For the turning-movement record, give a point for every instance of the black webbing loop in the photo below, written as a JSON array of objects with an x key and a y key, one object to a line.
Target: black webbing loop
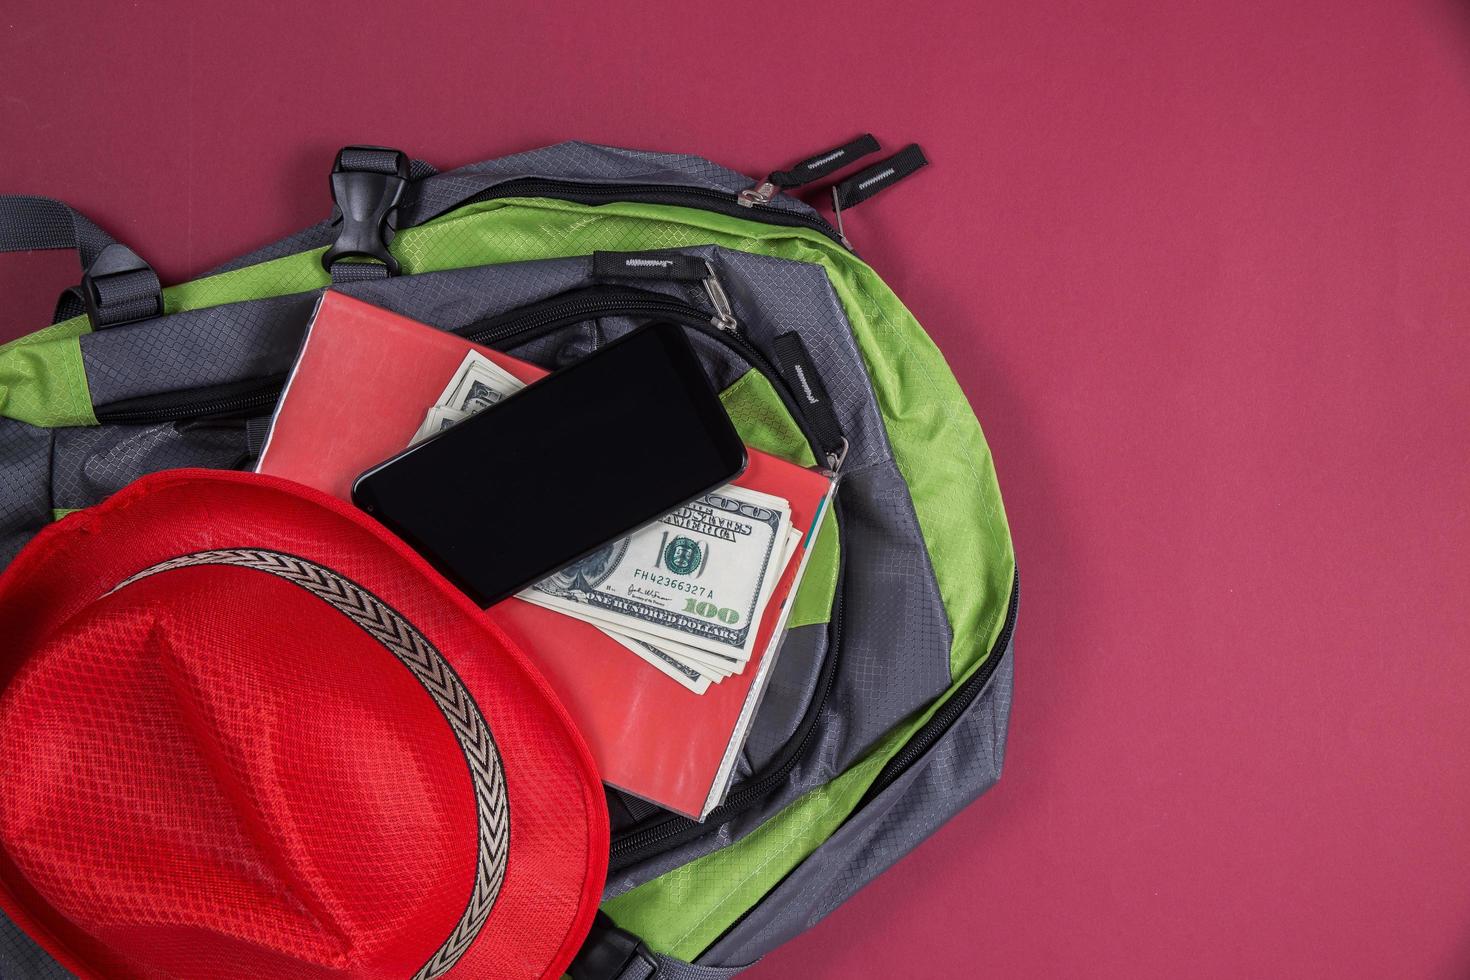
[
  {"x": 824, "y": 164},
  {"x": 117, "y": 286},
  {"x": 883, "y": 174},
  {"x": 610, "y": 953}
]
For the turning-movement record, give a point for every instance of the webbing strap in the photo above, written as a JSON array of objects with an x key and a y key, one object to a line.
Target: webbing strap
[
  {"x": 117, "y": 286},
  {"x": 610, "y": 953},
  {"x": 881, "y": 175},
  {"x": 345, "y": 272},
  {"x": 30, "y": 223},
  {"x": 371, "y": 159}
]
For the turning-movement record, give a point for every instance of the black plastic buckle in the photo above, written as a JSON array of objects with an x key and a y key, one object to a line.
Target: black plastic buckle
[
  {"x": 610, "y": 953},
  {"x": 119, "y": 287},
  {"x": 368, "y": 201}
]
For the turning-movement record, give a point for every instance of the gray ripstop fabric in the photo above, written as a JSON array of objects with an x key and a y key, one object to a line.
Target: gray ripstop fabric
[
  {"x": 195, "y": 349},
  {"x": 25, "y": 485},
  {"x": 22, "y": 959},
  {"x": 957, "y": 769}
]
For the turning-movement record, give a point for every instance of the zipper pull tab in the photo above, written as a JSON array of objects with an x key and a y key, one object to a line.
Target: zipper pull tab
[
  {"x": 837, "y": 457},
  {"x": 880, "y": 176},
  {"x": 799, "y": 371},
  {"x": 812, "y": 169},
  {"x": 724, "y": 317}
]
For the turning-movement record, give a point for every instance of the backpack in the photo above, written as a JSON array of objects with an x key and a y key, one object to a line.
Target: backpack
[{"x": 886, "y": 712}]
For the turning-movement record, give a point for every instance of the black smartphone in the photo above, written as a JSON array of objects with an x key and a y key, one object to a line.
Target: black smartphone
[{"x": 580, "y": 458}]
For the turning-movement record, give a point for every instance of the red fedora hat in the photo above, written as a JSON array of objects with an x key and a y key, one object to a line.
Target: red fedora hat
[{"x": 246, "y": 733}]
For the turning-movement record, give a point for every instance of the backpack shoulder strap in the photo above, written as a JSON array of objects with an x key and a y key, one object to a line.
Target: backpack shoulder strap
[{"x": 117, "y": 286}]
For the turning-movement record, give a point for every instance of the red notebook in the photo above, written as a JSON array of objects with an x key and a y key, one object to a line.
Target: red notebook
[{"x": 356, "y": 396}]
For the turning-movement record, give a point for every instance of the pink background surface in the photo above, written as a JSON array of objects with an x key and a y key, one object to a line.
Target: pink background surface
[{"x": 1202, "y": 270}]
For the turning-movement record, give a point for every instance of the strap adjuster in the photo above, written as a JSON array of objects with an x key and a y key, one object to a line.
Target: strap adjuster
[
  {"x": 367, "y": 185},
  {"x": 119, "y": 287},
  {"x": 610, "y": 953}
]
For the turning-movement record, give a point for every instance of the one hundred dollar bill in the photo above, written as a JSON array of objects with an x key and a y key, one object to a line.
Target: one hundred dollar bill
[
  {"x": 699, "y": 576},
  {"x": 716, "y": 666}
]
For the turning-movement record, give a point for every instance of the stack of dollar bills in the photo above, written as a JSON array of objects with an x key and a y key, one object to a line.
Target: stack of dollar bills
[{"x": 687, "y": 593}]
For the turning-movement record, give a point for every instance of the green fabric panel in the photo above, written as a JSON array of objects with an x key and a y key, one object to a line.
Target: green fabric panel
[
  {"x": 59, "y": 512},
  {"x": 813, "y": 602},
  {"x": 74, "y": 327},
  {"x": 943, "y": 457},
  {"x": 43, "y": 382},
  {"x": 762, "y": 420}
]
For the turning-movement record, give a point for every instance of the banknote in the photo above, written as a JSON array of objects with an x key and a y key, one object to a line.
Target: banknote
[
  {"x": 699, "y": 576},
  {"x": 478, "y": 384},
  {"x": 714, "y": 665},
  {"x": 438, "y": 419},
  {"x": 683, "y": 673}
]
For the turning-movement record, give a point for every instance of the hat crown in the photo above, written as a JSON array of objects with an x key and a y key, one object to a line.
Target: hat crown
[{"x": 219, "y": 749}]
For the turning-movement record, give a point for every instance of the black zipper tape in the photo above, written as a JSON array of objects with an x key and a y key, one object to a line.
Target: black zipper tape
[
  {"x": 789, "y": 353},
  {"x": 236, "y": 399},
  {"x": 880, "y": 176},
  {"x": 819, "y": 166},
  {"x": 953, "y": 709},
  {"x": 665, "y": 266}
]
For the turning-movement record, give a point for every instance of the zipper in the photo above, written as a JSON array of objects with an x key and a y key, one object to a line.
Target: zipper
[
  {"x": 529, "y": 322},
  {"x": 958, "y": 703},
  {"x": 707, "y": 199},
  {"x": 218, "y": 401},
  {"x": 525, "y": 323}
]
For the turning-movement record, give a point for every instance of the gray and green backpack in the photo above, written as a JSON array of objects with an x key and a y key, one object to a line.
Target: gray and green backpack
[{"x": 886, "y": 712}]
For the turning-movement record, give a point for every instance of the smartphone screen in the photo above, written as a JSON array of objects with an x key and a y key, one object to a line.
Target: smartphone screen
[{"x": 582, "y": 457}]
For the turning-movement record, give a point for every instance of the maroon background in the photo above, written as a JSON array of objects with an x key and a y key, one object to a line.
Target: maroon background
[{"x": 1202, "y": 270}]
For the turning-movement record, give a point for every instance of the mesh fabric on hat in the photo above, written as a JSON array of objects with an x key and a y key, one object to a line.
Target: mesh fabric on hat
[{"x": 211, "y": 773}]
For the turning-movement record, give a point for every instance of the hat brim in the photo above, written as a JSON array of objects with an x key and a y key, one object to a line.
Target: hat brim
[{"x": 558, "y": 863}]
